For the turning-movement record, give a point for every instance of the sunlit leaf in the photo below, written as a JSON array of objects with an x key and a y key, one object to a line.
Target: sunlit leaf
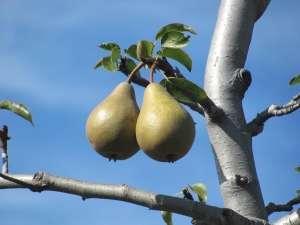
[
  {"x": 297, "y": 169},
  {"x": 173, "y": 27},
  {"x": 17, "y": 108},
  {"x": 131, "y": 51},
  {"x": 115, "y": 54},
  {"x": 177, "y": 54},
  {"x": 98, "y": 64},
  {"x": 185, "y": 90},
  {"x": 294, "y": 80},
  {"x": 174, "y": 39},
  {"x": 144, "y": 49},
  {"x": 167, "y": 217},
  {"x": 131, "y": 65},
  {"x": 298, "y": 192},
  {"x": 200, "y": 190},
  {"x": 108, "y": 46},
  {"x": 108, "y": 64}
]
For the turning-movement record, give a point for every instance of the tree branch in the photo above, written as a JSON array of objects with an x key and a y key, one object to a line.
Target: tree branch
[
  {"x": 43, "y": 181},
  {"x": 290, "y": 219},
  {"x": 271, "y": 207},
  {"x": 3, "y": 145},
  {"x": 256, "y": 126}
]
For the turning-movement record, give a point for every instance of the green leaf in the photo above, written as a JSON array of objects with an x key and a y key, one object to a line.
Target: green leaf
[
  {"x": 200, "y": 190},
  {"x": 131, "y": 65},
  {"x": 115, "y": 54},
  {"x": 144, "y": 49},
  {"x": 174, "y": 39},
  {"x": 17, "y": 108},
  {"x": 108, "y": 64},
  {"x": 177, "y": 54},
  {"x": 108, "y": 46},
  {"x": 173, "y": 27},
  {"x": 185, "y": 90},
  {"x": 294, "y": 80},
  {"x": 163, "y": 83},
  {"x": 167, "y": 217},
  {"x": 298, "y": 192},
  {"x": 297, "y": 169},
  {"x": 131, "y": 51},
  {"x": 98, "y": 64}
]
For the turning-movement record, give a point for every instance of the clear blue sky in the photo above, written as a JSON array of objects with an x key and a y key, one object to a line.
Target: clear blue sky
[{"x": 47, "y": 53}]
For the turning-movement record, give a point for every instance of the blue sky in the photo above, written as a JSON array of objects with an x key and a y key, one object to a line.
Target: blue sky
[{"x": 47, "y": 53}]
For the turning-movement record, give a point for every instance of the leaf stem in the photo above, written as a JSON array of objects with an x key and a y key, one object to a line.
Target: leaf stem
[{"x": 137, "y": 68}]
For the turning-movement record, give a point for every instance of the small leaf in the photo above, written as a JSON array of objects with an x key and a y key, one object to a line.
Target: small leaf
[
  {"x": 297, "y": 169},
  {"x": 17, "y": 108},
  {"x": 294, "y": 80},
  {"x": 131, "y": 65},
  {"x": 163, "y": 83},
  {"x": 115, "y": 54},
  {"x": 177, "y": 54},
  {"x": 200, "y": 190},
  {"x": 144, "y": 49},
  {"x": 98, "y": 64},
  {"x": 298, "y": 192},
  {"x": 108, "y": 46},
  {"x": 167, "y": 217},
  {"x": 174, "y": 39},
  {"x": 108, "y": 64},
  {"x": 173, "y": 27},
  {"x": 185, "y": 90},
  {"x": 131, "y": 51}
]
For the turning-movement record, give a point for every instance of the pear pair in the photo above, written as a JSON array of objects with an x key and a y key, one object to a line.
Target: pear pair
[{"x": 163, "y": 129}]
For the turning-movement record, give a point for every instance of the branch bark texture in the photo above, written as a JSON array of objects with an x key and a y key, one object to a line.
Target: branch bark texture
[
  {"x": 42, "y": 181},
  {"x": 226, "y": 83}
]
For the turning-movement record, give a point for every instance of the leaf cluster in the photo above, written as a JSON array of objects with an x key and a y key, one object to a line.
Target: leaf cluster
[{"x": 172, "y": 40}]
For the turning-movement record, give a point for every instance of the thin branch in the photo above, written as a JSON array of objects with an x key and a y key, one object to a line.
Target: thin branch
[
  {"x": 3, "y": 145},
  {"x": 42, "y": 181},
  {"x": 271, "y": 207},
  {"x": 135, "y": 79},
  {"x": 256, "y": 125},
  {"x": 213, "y": 112}
]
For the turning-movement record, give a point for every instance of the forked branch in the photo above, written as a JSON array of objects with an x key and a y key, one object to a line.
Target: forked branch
[
  {"x": 256, "y": 125},
  {"x": 42, "y": 181}
]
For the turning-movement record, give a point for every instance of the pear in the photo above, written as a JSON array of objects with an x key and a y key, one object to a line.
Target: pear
[
  {"x": 110, "y": 127},
  {"x": 165, "y": 131}
]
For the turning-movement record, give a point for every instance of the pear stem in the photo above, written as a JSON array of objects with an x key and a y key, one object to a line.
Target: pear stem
[
  {"x": 137, "y": 68},
  {"x": 152, "y": 69}
]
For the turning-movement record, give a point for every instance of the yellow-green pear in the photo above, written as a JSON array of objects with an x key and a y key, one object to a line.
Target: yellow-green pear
[
  {"x": 165, "y": 131},
  {"x": 110, "y": 127}
]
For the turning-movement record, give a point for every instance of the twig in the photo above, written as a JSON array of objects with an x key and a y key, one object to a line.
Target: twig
[
  {"x": 3, "y": 144},
  {"x": 271, "y": 207},
  {"x": 256, "y": 125}
]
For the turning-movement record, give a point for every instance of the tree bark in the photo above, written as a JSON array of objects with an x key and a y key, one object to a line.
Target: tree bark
[{"x": 226, "y": 83}]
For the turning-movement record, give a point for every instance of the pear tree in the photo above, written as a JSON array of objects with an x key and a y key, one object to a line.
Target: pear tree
[{"x": 219, "y": 102}]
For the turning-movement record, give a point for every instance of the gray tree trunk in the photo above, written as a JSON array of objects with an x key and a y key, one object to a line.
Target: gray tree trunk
[{"x": 225, "y": 84}]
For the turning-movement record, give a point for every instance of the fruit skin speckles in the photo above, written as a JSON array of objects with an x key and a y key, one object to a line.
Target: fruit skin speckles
[{"x": 110, "y": 127}]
